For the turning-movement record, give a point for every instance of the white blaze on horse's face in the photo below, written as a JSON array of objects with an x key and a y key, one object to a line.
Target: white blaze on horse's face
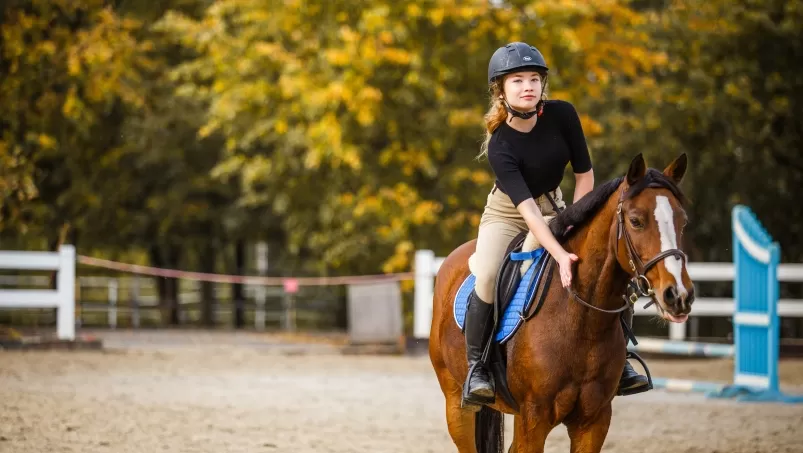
[{"x": 665, "y": 218}]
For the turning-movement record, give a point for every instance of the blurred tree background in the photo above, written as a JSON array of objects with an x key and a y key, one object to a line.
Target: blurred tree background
[{"x": 345, "y": 134}]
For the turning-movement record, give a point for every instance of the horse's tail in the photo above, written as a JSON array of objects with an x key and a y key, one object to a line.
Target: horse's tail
[{"x": 489, "y": 430}]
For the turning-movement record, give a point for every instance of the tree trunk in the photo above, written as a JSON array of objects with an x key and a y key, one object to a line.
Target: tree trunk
[
  {"x": 208, "y": 302},
  {"x": 167, "y": 288},
  {"x": 238, "y": 290},
  {"x": 174, "y": 255}
]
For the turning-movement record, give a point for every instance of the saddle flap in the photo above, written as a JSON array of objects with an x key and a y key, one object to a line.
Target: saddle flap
[{"x": 509, "y": 276}]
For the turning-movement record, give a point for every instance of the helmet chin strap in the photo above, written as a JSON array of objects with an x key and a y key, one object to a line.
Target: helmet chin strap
[{"x": 516, "y": 113}]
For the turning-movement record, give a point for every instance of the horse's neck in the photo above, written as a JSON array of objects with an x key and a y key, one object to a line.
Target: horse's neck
[{"x": 599, "y": 279}]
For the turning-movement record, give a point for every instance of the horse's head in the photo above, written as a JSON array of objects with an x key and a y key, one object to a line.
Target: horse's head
[{"x": 650, "y": 221}]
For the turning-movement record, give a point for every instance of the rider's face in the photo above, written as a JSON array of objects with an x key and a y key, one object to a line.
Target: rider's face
[{"x": 523, "y": 90}]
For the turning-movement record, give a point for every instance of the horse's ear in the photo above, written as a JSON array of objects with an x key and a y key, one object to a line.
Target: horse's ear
[
  {"x": 677, "y": 168},
  {"x": 637, "y": 170}
]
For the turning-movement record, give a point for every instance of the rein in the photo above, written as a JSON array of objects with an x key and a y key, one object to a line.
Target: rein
[{"x": 638, "y": 285}]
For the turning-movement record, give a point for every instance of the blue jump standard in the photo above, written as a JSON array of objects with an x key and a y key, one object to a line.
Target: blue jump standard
[{"x": 756, "y": 324}]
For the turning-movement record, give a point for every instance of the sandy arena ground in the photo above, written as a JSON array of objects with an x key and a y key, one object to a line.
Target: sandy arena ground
[{"x": 229, "y": 393}]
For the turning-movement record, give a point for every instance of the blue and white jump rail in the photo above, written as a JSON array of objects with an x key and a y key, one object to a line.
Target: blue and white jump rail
[{"x": 687, "y": 348}]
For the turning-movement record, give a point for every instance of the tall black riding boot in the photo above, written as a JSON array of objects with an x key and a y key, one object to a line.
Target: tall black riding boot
[
  {"x": 631, "y": 382},
  {"x": 478, "y": 388}
]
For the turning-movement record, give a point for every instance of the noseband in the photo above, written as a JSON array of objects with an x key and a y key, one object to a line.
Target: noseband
[{"x": 638, "y": 285}]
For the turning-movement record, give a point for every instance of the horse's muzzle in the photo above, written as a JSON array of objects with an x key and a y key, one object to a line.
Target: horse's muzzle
[{"x": 677, "y": 304}]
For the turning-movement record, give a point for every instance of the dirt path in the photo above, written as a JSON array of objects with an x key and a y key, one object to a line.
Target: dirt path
[{"x": 243, "y": 395}]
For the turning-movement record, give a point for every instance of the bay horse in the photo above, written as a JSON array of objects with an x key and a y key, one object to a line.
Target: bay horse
[{"x": 564, "y": 363}]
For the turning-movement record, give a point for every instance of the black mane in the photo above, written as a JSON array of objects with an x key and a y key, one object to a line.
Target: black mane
[{"x": 578, "y": 214}]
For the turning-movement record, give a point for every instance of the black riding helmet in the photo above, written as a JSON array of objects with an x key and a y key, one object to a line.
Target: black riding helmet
[{"x": 515, "y": 57}]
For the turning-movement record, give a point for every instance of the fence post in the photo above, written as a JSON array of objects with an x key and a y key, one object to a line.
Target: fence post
[
  {"x": 260, "y": 292},
  {"x": 423, "y": 292},
  {"x": 65, "y": 286},
  {"x": 677, "y": 331},
  {"x": 135, "y": 319},
  {"x": 289, "y": 303},
  {"x": 112, "y": 285}
]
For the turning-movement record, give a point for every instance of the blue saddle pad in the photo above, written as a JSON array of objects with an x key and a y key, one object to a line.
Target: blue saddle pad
[{"x": 520, "y": 301}]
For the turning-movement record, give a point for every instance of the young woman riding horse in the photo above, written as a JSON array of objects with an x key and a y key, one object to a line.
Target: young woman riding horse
[
  {"x": 529, "y": 142},
  {"x": 564, "y": 364}
]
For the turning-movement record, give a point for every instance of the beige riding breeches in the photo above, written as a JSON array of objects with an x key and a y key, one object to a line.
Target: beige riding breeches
[{"x": 500, "y": 223}]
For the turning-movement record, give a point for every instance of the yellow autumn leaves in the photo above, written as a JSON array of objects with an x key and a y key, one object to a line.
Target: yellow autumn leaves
[
  {"x": 382, "y": 102},
  {"x": 354, "y": 126}
]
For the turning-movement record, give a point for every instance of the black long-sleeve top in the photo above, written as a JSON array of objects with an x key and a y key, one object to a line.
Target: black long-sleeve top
[{"x": 527, "y": 165}]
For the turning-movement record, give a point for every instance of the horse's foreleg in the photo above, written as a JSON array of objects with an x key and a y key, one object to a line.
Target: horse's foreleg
[
  {"x": 460, "y": 421},
  {"x": 514, "y": 444},
  {"x": 529, "y": 433},
  {"x": 461, "y": 424},
  {"x": 588, "y": 436}
]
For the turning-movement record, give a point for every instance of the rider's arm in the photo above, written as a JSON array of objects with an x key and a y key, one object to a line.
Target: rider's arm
[
  {"x": 538, "y": 226},
  {"x": 584, "y": 183}
]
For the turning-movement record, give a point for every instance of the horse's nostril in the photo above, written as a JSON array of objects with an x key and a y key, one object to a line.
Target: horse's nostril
[
  {"x": 671, "y": 295},
  {"x": 690, "y": 297}
]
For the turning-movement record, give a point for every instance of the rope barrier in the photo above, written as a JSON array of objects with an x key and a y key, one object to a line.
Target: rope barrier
[{"x": 244, "y": 279}]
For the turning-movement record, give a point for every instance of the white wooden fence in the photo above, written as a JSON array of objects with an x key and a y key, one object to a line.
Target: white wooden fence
[
  {"x": 62, "y": 298},
  {"x": 427, "y": 265}
]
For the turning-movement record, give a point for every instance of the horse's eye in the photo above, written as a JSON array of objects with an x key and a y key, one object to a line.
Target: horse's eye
[{"x": 636, "y": 222}]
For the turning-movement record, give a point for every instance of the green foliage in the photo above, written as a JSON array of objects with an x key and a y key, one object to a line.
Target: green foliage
[{"x": 730, "y": 97}]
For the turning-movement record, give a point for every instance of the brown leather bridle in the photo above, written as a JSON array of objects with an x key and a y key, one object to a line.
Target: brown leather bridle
[{"x": 638, "y": 285}]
